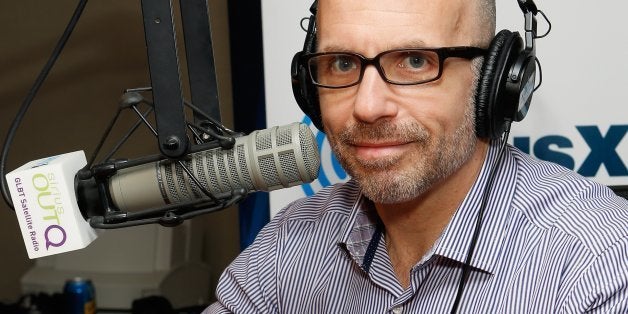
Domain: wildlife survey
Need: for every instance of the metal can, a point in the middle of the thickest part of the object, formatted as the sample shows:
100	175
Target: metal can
80	297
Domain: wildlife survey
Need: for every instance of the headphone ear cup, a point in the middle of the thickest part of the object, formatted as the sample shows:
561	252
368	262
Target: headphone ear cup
490	119
305	93
314	109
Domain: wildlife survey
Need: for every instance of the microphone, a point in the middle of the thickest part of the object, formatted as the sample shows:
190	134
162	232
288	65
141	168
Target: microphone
265	160
53	204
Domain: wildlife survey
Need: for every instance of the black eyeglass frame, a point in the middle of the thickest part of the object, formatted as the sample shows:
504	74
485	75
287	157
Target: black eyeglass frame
465	52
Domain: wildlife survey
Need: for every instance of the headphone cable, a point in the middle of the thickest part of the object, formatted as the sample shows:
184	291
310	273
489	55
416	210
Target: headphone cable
466	268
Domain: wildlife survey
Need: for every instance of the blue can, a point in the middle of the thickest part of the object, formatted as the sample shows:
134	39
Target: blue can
80	297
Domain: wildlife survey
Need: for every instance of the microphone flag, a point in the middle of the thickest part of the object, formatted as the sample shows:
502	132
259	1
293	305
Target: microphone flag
45	205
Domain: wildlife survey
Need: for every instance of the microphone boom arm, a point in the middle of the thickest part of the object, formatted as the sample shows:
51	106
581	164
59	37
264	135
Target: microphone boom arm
164	69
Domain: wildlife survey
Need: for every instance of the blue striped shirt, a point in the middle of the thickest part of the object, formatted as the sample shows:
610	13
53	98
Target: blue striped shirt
551	242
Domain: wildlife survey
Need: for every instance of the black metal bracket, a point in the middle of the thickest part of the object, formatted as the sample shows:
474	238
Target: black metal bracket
164	69
200	58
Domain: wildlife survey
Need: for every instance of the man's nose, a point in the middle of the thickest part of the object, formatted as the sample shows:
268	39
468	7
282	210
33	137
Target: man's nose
372	102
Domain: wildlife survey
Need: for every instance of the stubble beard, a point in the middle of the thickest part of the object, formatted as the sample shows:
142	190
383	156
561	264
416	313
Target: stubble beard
397	179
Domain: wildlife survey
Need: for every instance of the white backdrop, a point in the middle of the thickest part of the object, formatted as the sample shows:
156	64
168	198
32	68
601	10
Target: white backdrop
578	118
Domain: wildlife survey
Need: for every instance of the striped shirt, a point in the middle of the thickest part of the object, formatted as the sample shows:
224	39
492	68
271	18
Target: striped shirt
551	242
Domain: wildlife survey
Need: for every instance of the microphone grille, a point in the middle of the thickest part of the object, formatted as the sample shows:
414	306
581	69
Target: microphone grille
263	140
309	147
264	160
290	156
248	183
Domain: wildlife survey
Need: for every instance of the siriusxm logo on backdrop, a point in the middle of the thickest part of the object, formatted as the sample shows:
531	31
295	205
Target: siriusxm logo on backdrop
602	150
331	171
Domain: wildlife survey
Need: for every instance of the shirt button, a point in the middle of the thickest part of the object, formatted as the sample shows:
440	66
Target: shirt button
397	310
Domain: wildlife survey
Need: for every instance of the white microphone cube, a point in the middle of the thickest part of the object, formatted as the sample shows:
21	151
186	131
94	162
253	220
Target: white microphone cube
45	205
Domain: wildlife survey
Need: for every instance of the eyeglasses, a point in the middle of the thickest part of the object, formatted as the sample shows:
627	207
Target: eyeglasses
399	66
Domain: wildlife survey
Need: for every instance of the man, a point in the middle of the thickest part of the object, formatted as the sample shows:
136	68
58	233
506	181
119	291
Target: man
396	238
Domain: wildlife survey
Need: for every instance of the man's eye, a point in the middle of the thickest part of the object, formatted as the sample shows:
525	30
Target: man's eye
343	64
413	62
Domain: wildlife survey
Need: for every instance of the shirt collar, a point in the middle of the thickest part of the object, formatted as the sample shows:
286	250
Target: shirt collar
360	227
456	238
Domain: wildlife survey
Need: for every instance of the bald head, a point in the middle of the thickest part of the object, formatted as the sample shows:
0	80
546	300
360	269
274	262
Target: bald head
477	20
485	17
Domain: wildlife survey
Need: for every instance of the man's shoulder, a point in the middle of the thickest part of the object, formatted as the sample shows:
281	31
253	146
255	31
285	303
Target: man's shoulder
552	196
555	184
335	201
309	224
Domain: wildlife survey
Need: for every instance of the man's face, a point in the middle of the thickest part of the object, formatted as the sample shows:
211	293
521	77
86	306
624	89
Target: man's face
398	141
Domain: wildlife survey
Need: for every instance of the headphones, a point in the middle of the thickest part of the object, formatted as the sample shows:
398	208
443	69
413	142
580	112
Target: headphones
505	87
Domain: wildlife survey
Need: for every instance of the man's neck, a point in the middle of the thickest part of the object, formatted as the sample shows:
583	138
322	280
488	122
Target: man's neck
413	227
